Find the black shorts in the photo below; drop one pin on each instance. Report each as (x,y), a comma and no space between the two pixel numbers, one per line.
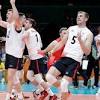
(13,62)
(67,66)
(38,66)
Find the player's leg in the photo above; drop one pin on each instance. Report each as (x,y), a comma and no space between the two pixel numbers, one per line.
(71,70)
(11,63)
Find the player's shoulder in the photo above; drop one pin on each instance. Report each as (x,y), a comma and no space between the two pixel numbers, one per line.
(10,25)
(88,31)
(73,27)
(97,37)
(31,30)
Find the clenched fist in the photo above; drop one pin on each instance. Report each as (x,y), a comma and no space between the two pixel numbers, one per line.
(0,7)
(12,1)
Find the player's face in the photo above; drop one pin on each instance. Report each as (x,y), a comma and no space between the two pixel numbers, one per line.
(81,18)
(27,24)
(63,33)
(22,19)
(9,16)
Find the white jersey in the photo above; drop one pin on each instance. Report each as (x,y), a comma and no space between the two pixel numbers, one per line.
(97,38)
(34,44)
(72,47)
(14,44)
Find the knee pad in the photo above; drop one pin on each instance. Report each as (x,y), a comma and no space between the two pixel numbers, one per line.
(51,79)
(30,76)
(64,85)
(38,78)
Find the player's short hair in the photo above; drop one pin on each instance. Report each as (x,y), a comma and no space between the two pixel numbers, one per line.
(32,21)
(61,29)
(21,14)
(86,14)
(10,10)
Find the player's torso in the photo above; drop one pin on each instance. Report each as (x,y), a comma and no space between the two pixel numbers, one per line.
(34,44)
(14,43)
(72,48)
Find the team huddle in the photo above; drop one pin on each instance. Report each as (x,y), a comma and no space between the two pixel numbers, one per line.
(65,54)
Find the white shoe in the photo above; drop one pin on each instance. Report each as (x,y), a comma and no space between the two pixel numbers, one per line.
(98,92)
(7,96)
(20,96)
(14,94)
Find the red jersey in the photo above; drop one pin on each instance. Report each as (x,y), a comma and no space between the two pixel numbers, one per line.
(56,55)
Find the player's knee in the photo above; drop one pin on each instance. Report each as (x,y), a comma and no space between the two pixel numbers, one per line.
(51,79)
(64,85)
(30,76)
(39,78)
(20,73)
(10,77)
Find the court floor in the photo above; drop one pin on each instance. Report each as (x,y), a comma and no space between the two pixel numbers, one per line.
(80,93)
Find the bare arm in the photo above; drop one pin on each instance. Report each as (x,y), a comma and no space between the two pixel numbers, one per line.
(0,12)
(97,43)
(2,23)
(50,46)
(86,47)
(15,11)
(60,44)
(25,37)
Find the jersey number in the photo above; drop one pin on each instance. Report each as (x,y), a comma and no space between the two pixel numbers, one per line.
(36,37)
(73,40)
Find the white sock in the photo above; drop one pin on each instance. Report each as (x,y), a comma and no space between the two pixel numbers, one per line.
(39,90)
(64,85)
(50,92)
(7,96)
(20,96)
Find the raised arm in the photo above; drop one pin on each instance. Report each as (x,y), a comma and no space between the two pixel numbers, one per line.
(0,12)
(15,11)
(2,23)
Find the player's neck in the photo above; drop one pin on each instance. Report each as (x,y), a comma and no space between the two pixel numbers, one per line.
(82,25)
(28,28)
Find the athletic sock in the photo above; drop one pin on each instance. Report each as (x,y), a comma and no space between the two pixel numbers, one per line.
(50,92)
(39,90)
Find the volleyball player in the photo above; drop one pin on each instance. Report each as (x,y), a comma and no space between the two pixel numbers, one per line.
(37,67)
(97,39)
(14,46)
(77,42)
